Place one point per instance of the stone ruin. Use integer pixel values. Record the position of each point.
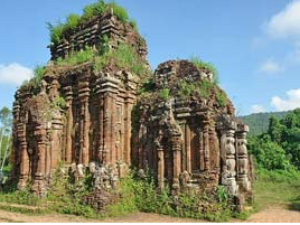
(189, 142)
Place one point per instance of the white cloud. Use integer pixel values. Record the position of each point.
(292, 101)
(286, 23)
(257, 109)
(14, 74)
(271, 67)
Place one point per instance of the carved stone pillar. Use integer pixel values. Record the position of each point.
(84, 93)
(161, 168)
(107, 128)
(69, 126)
(127, 134)
(57, 144)
(101, 130)
(39, 186)
(206, 144)
(229, 169)
(243, 167)
(24, 159)
(201, 151)
(176, 143)
(112, 147)
(242, 158)
(188, 148)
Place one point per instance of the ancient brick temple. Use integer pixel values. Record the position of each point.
(95, 123)
(182, 128)
(192, 141)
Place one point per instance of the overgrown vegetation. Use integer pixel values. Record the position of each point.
(164, 94)
(123, 57)
(58, 102)
(65, 197)
(77, 57)
(277, 164)
(276, 188)
(205, 66)
(202, 88)
(73, 21)
(221, 98)
(5, 142)
(259, 122)
(39, 72)
(279, 147)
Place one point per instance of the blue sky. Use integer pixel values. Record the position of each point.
(255, 44)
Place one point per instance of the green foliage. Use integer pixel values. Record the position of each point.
(39, 72)
(147, 87)
(93, 9)
(204, 87)
(118, 11)
(268, 154)
(133, 24)
(123, 57)
(279, 147)
(164, 94)
(103, 45)
(205, 66)
(72, 21)
(5, 137)
(56, 32)
(259, 122)
(77, 57)
(221, 194)
(276, 187)
(221, 98)
(143, 195)
(136, 194)
(58, 102)
(186, 89)
(6, 118)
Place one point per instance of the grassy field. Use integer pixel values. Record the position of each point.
(277, 188)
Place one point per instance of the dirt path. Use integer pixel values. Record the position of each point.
(271, 214)
(276, 214)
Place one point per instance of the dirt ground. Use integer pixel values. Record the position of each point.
(271, 214)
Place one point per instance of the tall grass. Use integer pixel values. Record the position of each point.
(73, 20)
(123, 57)
(77, 57)
(205, 66)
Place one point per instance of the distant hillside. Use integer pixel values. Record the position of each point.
(259, 122)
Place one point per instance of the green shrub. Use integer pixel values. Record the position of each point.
(164, 94)
(123, 57)
(56, 32)
(58, 102)
(77, 57)
(204, 65)
(118, 11)
(147, 87)
(94, 9)
(39, 72)
(72, 21)
(133, 24)
(204, 87)
(186, 89)
(221, 98)
(103, 45)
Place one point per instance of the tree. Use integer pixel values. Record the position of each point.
(5, 135)
(275, 129)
